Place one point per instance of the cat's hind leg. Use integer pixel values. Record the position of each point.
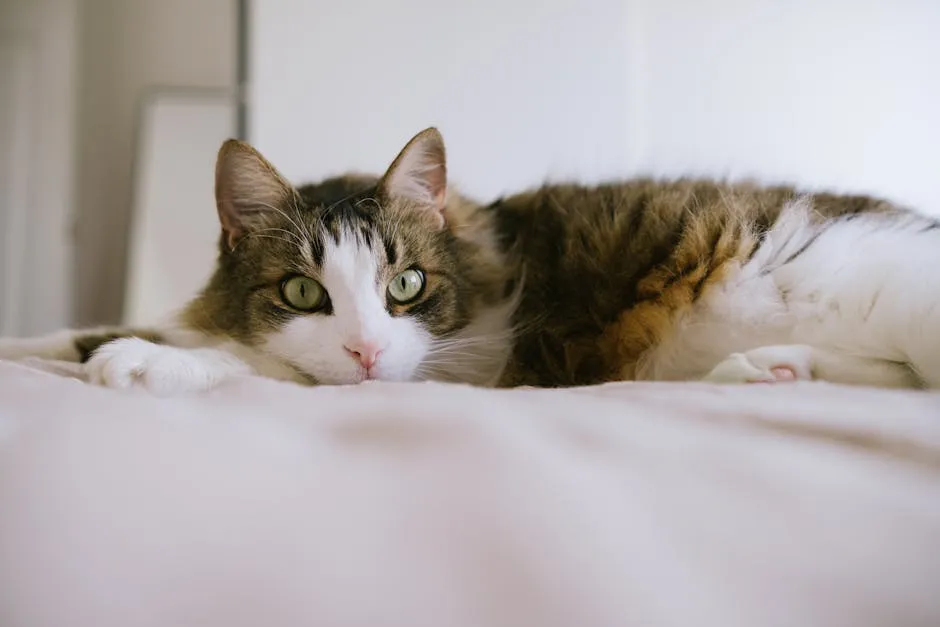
(59, 346)
(922, 342)
(68, 345)
(800, 362)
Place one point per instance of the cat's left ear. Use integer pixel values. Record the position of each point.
(419, 174)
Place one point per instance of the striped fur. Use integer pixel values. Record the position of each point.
(563, 285)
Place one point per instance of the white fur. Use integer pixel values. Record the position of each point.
(865, 295)
(162, 370)
(308, 348)
(807, 363)
(316, 344)
(860, 305)
(478, 353)
(260, 362)
(189, 362)
(320, 345)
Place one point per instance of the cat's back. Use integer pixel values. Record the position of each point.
(657, 207)
(611, 269)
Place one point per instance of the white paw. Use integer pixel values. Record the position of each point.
(162, 370)
(769, 364)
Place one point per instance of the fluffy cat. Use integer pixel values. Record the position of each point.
(399, 278)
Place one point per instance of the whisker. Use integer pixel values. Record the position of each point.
(274, 237)
(457, 359)
(296, 237)
(295, 205)
(283, 213)
(443, 346)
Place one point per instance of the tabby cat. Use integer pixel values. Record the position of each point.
(398, 278)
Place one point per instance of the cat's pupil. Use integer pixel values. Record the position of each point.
(303, 290)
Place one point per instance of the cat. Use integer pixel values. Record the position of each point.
(401, 278)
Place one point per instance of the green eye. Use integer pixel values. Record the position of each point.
(303, 293)
(406, 286)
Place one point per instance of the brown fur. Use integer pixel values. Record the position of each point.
(606, 271)
(464, 269)
(609, 269)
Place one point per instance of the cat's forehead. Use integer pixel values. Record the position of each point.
(350, 259)
(352, 226)
(362, 221)
(305, 237)
(349, 220)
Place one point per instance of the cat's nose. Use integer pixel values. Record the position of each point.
(365, 352)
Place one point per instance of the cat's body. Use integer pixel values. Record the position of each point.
(565, 285)
(663, 280)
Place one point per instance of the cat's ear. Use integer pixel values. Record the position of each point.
(246, 188)
(419, 173)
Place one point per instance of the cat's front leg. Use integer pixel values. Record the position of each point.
(800, 362)
(162, 370)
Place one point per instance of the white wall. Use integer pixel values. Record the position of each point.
(38, 44)
(519, 93)
(834, 93)
(831, 93)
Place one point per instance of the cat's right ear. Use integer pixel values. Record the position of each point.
(246, 188)
(419, 174)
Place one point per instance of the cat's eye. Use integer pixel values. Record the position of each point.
(303, 293)
(406, 286)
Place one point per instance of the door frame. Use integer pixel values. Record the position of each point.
(37, 296)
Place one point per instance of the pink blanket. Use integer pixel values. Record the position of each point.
(413, 505)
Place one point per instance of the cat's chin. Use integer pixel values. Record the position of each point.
(363, 376)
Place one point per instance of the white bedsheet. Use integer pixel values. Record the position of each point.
(412, 505)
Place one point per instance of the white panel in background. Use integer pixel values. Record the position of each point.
(174, 230)
(17, 58)
(521, 91)
(38, 40)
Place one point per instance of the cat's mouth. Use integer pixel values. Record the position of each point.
(363, 375)
(359, 375)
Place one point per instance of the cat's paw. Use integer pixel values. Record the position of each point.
(769, 364)
(161, 370)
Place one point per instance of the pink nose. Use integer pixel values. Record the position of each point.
(365, 352)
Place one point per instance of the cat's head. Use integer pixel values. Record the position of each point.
(356, 278)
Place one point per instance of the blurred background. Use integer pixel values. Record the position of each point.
(111, 112)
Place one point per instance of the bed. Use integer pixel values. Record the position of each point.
(424, 504)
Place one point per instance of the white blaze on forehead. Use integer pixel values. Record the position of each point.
(319, 344)
(350, 276)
